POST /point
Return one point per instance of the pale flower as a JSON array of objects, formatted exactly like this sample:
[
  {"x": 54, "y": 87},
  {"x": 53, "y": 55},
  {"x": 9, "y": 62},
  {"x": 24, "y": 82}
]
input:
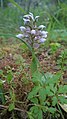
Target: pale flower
[
  {"x": 30, "y": 13},
  {"x": 35, "y": 38},
  {"x": 26, "y": 16},
  {"x": 31, "y": 16},
  {"x": 20, "y": 36},
  {"x": 44, "y": 32},
  {"x": 44, "y": 36},
  {"x": 22, "y": 28},
  {"x": 26, "y": 21},
  {"x": 36, "y": 18},
  {"x": 28, "y": 30},
  {"x": 33, "y": 32},
  {"x": 41, "y": 27},
  {"x": 42, "y": 40}
]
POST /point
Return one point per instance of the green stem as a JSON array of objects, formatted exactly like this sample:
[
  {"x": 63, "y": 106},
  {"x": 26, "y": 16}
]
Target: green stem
[{"x": 60, "y": 111}]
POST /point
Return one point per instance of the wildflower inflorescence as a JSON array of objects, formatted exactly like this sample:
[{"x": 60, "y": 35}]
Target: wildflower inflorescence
[{"x": 33, "y": 34}]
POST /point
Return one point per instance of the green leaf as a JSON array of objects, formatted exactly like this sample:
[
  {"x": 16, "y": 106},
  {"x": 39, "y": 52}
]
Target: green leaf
[
  {"x": 34, "y": 100},
  {"x": 40, "y": 115},
  {"x": 34, "y": 92},
  {"x": 37, "y": 78},
  {"x": 65, "y": 101},
  {"x": 9, "y": 77},
  {"x": 36, "y": 112},
  {"x": 62, "y": 99},
  {"x": 62, "y": 89},
  {"x": 30, "y": 115},
  {"x": 42, "y": 95},
  {"x": 48, "y": 103},
  {"x": 11, "y": 106},
  {"x": 55, "y": 90},
  {"x": 44, "y": 108},
  {"x": 54, "y": 79},
  {"x": 54, "y": 101},
  {"x": 1, "y": 72},
  {"x": 12, "y": 95},
  {"x": 52, "y": 110},
  {"x": 33, "y": 65},
  {"x": 49, "y": 75},
  {"x": 48, "y": 91},
  {"x": 2, "y": 96}
]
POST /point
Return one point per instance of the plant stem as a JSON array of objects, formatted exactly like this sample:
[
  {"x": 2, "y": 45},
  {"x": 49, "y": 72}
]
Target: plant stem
[{"x": 60, "y": 111}]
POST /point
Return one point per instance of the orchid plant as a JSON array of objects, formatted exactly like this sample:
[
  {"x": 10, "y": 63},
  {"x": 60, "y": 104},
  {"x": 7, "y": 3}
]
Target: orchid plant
[{"x": 32, "y": 34}]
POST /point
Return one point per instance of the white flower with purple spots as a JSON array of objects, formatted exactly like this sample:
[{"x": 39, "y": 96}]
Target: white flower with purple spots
[
  {"x": 26, "y": 21},
  {"x": 41, "y": 27},
  {"x": 22, "y": 28},
  {"x": 33, "y": 34},
  {"x": 42, "y": 40},
  {"x": 20, "y": 36}
]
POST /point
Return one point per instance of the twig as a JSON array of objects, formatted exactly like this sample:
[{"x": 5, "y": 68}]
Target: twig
[{"x": 17, "y": 109}]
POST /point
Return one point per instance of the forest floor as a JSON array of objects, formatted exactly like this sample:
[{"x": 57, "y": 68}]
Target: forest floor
[{"x": 18, "y": 60}]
